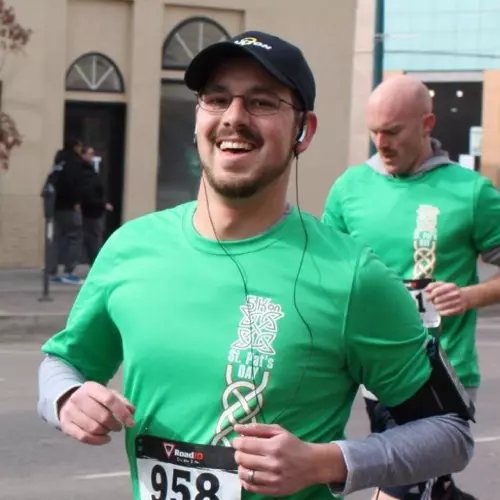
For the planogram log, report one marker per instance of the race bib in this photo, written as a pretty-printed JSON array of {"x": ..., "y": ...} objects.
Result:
[
  {"x": 430, "y": 316},
  {"x": 173, "y": 470}
]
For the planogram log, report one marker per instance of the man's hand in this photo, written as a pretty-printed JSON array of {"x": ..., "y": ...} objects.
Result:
[
  {"x": 273, "y": 462},
  {"x": 449, "y": 299},
  {"x": 91, "y": 412}
]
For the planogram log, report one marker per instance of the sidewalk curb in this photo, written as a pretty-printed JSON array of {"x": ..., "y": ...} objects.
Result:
[{"x": 32, "y": 323}]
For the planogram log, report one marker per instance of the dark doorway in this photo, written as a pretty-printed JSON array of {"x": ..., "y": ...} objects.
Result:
[
  {"x": 458, "y": 107},
  {"x": 102, "y": 126}
]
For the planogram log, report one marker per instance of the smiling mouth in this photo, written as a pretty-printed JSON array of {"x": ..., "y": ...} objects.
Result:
[{"x": 235, "y": 147}]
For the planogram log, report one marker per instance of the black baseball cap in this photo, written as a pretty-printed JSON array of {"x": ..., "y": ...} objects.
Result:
[{"x": 282, "y": 59}]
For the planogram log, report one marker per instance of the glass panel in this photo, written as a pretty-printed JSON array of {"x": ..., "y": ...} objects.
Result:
[
  {"x": 178, "y": 163},
  {"x": 212, "y": 34},
  {"x": 458, "y": 106},
  {"x": 189, "y": 40},
  {"x": 111, "y": 83},
  {"x": 178, "y": 52},
  {"x": 94, "y": 72},
  {"x": 74, "y": 81},
  {"x": 85, "y": 64}
]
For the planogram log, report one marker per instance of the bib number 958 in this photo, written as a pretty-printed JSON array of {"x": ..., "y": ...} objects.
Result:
[
  {"x": 206, "y": 484},
  {"x": 164, "y": 481}
]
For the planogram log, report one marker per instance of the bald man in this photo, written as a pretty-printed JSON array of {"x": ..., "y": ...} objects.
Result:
[{"x": 429, "y": 220}]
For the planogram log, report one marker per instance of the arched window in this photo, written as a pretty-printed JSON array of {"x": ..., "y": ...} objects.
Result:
[
  {"x": 178, "y": 163},
  {"x": 188, "y": 38},
  {"x": 94, "y": 73}
]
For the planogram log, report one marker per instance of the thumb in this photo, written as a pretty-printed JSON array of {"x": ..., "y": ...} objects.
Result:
[
  {"x": 433, "y": 285},
  {"x": 435, "y": 289},
  {"x": 124, "y": 400}
]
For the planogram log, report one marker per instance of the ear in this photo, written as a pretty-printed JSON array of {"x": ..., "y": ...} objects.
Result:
[
  {"x": 310, "y": 126},
  {"x": 428, "y": 122}
]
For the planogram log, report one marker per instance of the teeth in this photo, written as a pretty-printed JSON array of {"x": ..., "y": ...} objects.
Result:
[{"x": 235, "y": 145}]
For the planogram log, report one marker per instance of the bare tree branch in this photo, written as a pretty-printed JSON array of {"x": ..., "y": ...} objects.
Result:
[{"x": 13, "y": 38}]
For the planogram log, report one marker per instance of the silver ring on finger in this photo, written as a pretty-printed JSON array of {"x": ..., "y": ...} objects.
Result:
[{"x": 250, "y": 476}]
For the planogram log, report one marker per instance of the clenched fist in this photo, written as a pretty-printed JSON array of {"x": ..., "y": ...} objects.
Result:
[
  {"x": 447, "y": 298},
  {"x": 273, "y": 462},
  {"x": 92, "y": 411}
]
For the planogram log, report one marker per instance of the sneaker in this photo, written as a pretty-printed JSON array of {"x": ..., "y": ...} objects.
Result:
[
  {"x": 71, "y": 279},
  {"x": 55, "y": 278},
  {"x": 453, "y": 493}
]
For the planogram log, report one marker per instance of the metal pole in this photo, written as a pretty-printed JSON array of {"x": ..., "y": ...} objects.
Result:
[
  {"x": 378, "y": 50},
  {"x": 49, "y": 196},
  {"x": 49, "y": 237}
]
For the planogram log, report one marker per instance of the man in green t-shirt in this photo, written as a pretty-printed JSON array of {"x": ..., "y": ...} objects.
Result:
[
  {"x": 429, "y": 220},
  {"x": 244, "y": 325}
]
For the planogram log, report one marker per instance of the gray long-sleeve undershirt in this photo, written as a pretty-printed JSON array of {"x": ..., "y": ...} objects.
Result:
[{"x": 407, "y": 454}]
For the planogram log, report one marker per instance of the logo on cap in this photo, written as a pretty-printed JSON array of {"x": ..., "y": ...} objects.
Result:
[{"x": 252, "y": 41}]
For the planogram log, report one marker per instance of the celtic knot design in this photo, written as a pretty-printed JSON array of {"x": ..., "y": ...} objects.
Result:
[
  {"x": 241, "y": 401},
  {"x": 259, "y": 325},
  {"x": 424, "y": 243},
  {"x": 425, "y": 261}
]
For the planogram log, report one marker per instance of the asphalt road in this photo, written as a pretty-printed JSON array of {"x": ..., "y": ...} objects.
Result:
[{"x": 39, "y": 463}]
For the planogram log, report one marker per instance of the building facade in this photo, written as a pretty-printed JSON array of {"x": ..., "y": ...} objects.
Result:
[
  {"x": 454, "y": 47},
  {"x": 110, "y": 72}
]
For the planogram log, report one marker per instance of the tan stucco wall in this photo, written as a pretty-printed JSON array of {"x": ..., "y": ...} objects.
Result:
[
  {"x": 490, "y": 159},
  {"x": 104, "y": 27},
  {"x": 362, "y": 77},
  {"x": 32, "y": 93},
  {"x": 132, "y": 34}
]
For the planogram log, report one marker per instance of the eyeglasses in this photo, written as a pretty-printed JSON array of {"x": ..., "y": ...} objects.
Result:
[{"x": 257, "y": 103}]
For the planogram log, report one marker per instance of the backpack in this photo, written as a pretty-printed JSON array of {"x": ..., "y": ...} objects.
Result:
[{"x": 51, "y": 181}]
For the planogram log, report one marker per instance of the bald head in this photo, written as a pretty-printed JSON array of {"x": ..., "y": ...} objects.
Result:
[
  {"x": 400, "y": 120},
  {"x": 402, "y": 94}
]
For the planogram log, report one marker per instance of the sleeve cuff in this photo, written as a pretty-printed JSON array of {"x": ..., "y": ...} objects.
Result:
[
  {"x": 343, "y": 489},
  {"x": 56, "y": 378},
  {"x": 55, "y": 415}
]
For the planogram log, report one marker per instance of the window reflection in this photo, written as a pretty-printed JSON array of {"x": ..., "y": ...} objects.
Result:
[{"x": 179, "y": 166}]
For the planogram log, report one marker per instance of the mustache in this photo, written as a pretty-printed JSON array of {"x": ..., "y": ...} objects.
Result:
[{"x": 243, "y": 132}]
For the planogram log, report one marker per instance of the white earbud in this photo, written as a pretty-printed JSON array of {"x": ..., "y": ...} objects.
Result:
[{"x": 302, "y": 134}]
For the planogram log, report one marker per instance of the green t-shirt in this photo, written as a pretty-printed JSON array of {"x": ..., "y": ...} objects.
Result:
[
  {"x": 430, "y": 225},
  {"x": 190, "y": 323}
]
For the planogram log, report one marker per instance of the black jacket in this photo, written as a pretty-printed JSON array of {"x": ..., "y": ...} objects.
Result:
[
  {"x": 94, "y": 202},
  {"x": 69, "y": 181}
]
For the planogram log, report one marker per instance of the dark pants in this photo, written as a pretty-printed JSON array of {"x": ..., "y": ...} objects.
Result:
[
  {"x": 67, "y": 243},
  {"x": 93, "y": 228}
]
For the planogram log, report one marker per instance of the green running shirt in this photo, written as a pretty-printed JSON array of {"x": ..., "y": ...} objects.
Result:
[
  {"x": 434, "y": 224},
  {"x": 201, "y": 350}
]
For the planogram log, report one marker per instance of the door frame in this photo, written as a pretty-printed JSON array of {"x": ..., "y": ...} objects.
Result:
[{"x": 116, "y": 174}]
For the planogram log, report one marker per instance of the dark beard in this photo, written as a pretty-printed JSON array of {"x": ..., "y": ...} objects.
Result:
[{"x": 247, "y": 188}]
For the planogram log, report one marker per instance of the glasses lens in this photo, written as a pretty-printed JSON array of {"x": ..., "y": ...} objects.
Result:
[
  {"x": 262, "y": 103},
  {"x": 259, "y": 103},
  {"x": 215, "y": 102}
]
